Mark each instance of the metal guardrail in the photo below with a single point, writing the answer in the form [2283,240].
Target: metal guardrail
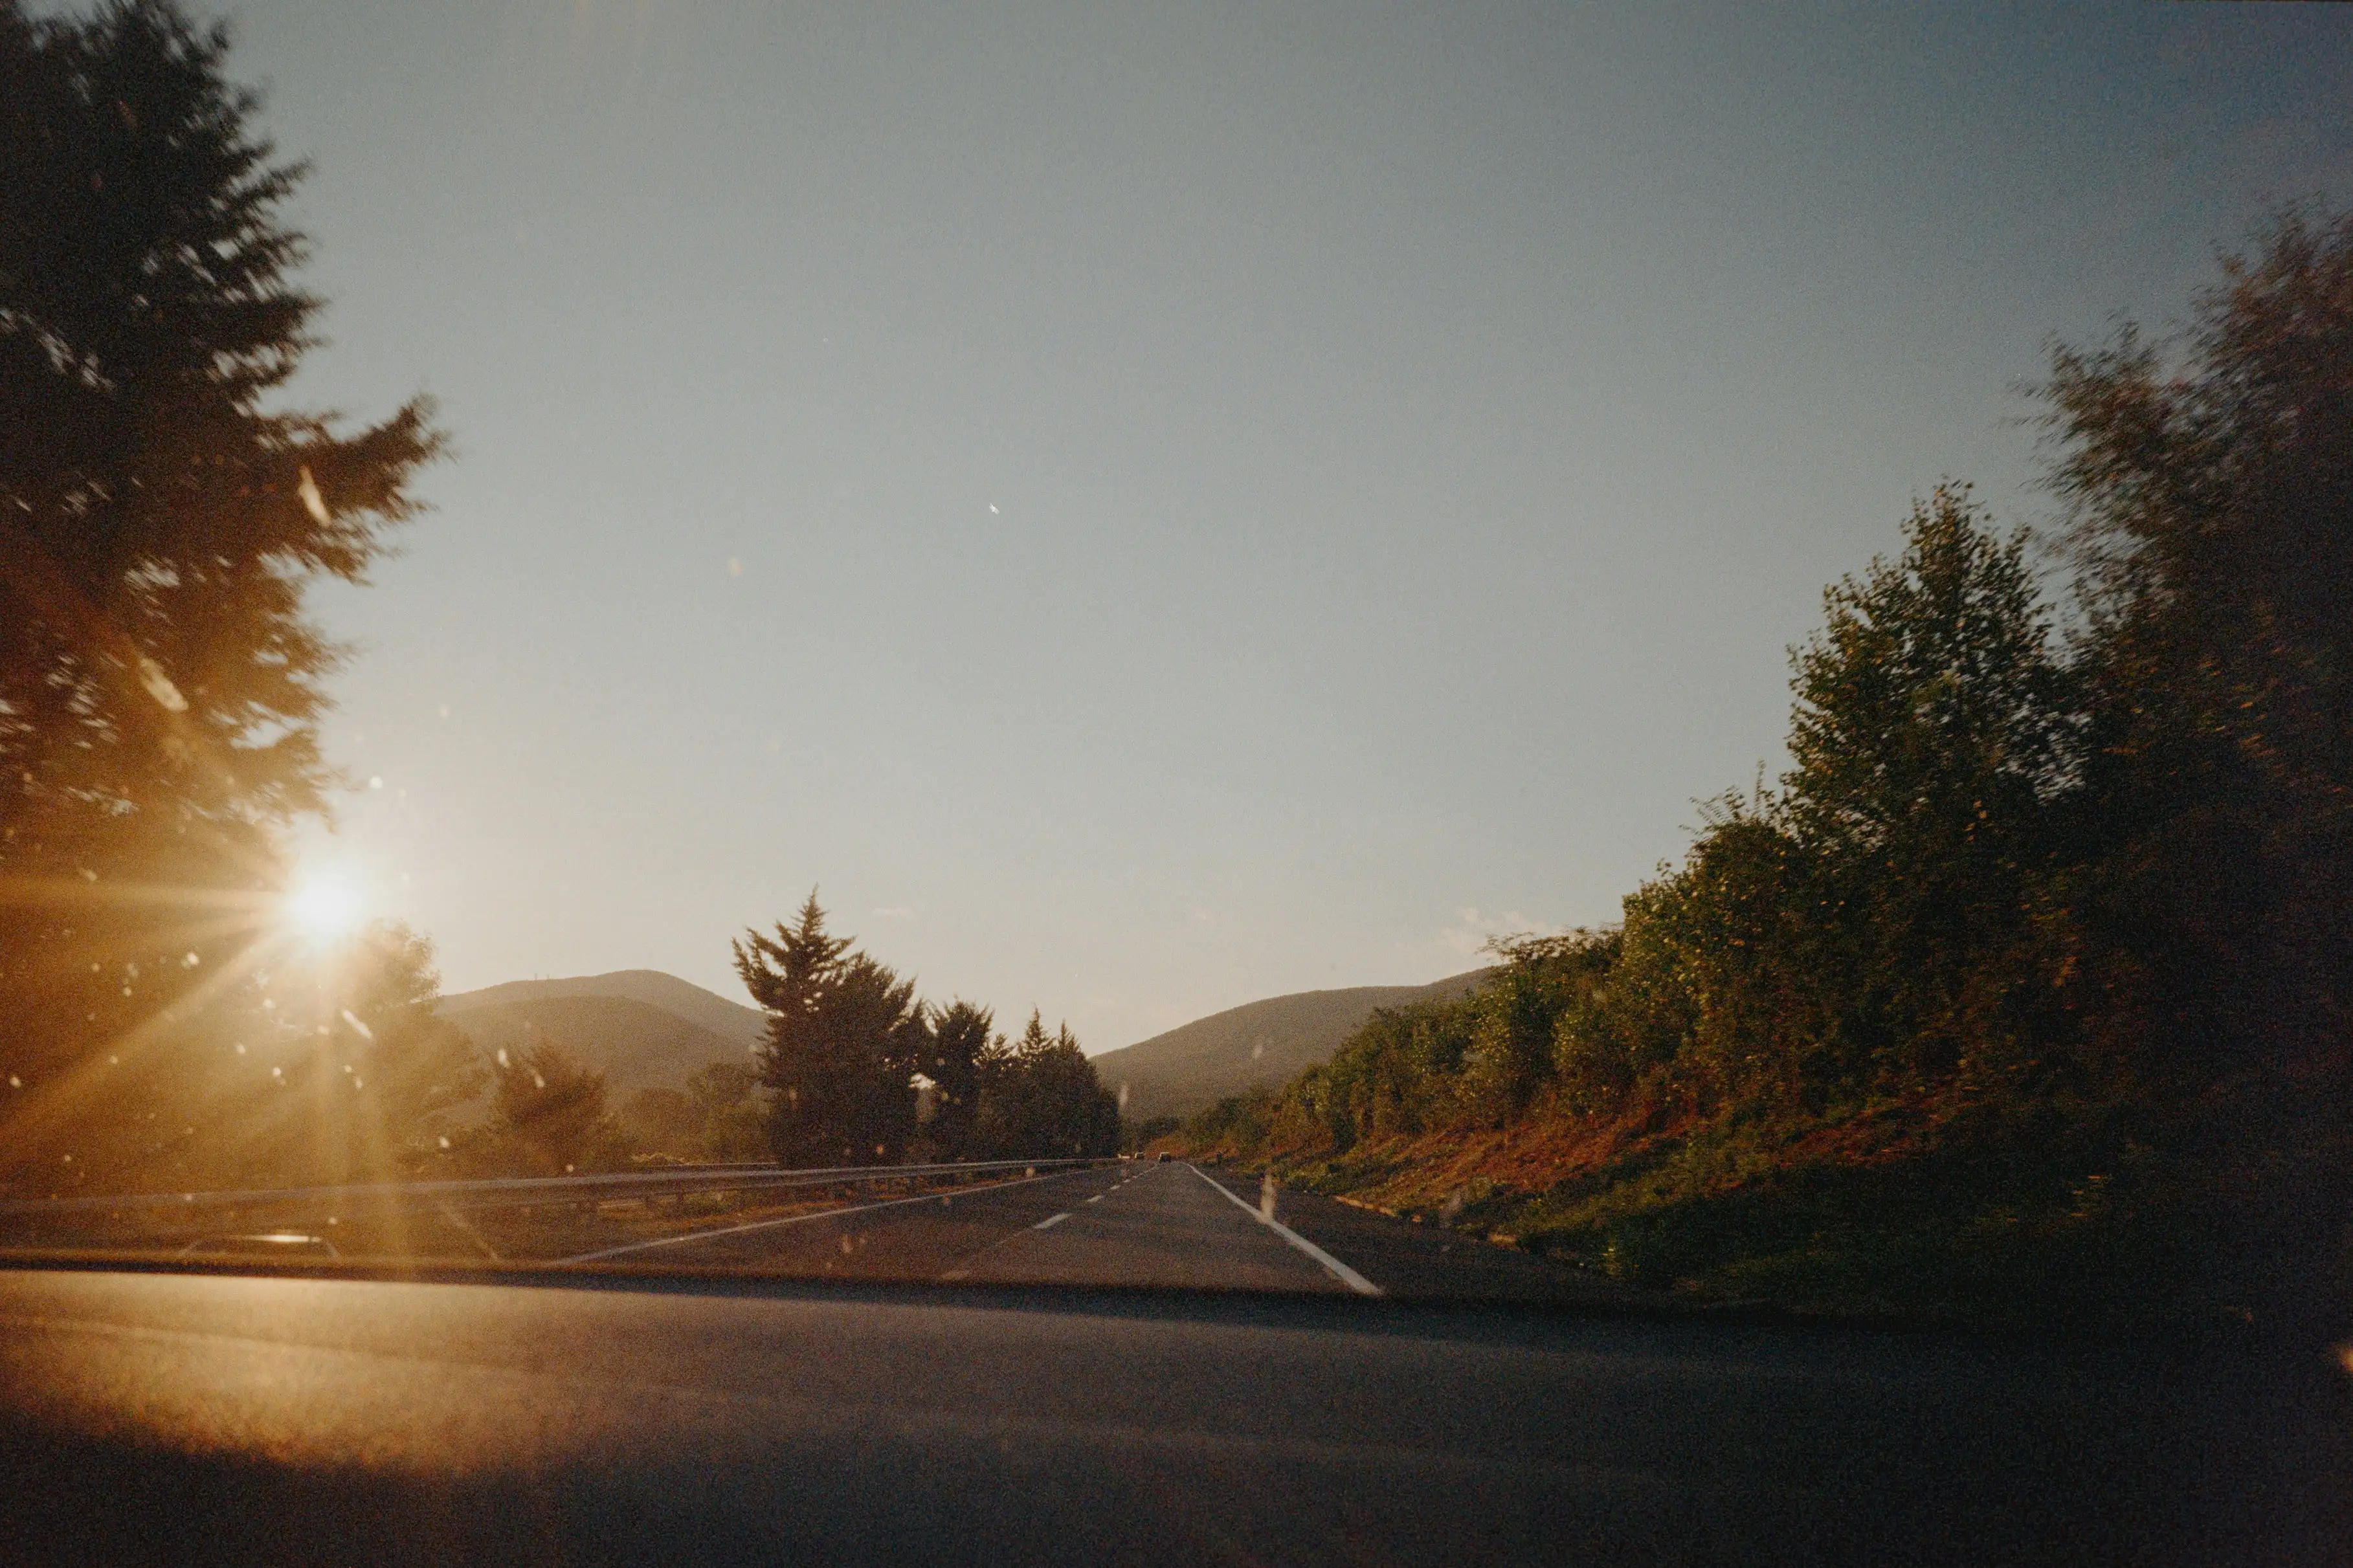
[522,1191]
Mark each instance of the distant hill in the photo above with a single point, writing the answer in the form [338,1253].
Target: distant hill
[1270,1042]
[728,1020]
[645,1029]
[639,1027]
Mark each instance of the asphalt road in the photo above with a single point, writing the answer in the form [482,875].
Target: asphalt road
[176,1417]
[1320,1385]
[1145,1225]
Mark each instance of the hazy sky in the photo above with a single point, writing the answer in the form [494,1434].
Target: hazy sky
[1155,506]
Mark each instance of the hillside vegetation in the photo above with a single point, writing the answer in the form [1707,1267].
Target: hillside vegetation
[1258,1045]
[2026,991]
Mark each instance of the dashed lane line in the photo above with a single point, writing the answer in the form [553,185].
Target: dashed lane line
[963,1270]
[804,1218]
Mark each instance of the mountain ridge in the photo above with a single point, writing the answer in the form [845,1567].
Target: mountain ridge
[1266,1042]
[644,1028]
[730,1021]
[641,1028]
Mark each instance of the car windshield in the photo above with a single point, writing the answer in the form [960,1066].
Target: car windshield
[1643,659]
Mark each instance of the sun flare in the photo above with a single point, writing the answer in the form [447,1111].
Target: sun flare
[326,906]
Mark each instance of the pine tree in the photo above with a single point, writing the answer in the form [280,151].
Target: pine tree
[958,1054]
[788,974]
[845,1040]
[871,1026]
[1043,1100]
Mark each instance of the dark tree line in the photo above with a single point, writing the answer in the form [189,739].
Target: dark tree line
[859,1071]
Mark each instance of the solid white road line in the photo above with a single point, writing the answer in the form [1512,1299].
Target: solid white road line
[1050,1222]
[804,1218]
[1338,1270]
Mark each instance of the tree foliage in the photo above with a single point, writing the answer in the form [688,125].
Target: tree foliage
[548,1112]
[962,1054]
[1864,929]
[849,1042]
[159,517]
[717,1117]
[2211,480]
[845,1038]
[1935,729]
[416,1076]
[726,1108]
[1043,1099]
[2097,881]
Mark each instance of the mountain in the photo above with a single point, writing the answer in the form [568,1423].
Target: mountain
[645,1029]
[1270,1042]
[728,1020]
[639,1027]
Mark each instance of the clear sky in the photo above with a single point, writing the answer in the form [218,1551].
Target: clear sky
[1155,506]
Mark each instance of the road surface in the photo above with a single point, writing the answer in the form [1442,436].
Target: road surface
[174,1417]
[1331,1387]
[1168,1226]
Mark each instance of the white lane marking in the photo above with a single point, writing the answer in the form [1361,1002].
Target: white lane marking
[1096,1199]
[963,1270]
[1338,1270]
[1050,1222]
[804,1218]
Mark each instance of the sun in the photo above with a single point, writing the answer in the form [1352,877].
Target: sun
[325,906]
